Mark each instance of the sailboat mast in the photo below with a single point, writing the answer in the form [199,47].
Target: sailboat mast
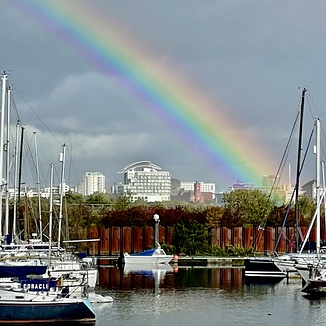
[318,199]
[298,172]
[3,106]
[38,189]
[7,166]
[20,165]
[323,174]
[51,212]
[14,224]
[62,160]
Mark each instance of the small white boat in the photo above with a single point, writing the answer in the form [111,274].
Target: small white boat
[154,256]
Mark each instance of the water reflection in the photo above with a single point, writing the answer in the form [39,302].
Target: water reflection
[195,295]
[156,273]
[170,277]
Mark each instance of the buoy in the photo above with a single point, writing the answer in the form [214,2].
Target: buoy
[175,257]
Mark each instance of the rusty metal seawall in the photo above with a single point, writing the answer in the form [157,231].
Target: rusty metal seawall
[116,240]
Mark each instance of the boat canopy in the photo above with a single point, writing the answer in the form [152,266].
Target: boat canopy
[149,252]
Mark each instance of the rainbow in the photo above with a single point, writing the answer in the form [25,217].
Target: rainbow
[201,123]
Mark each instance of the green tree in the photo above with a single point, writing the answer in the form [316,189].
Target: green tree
[122,203]
[245,208]
[74,198]
[191,238]
[307,208]
[96,199]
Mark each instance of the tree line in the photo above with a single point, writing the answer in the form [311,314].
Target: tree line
[191,221]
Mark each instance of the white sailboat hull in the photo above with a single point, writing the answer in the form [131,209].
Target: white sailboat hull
[154,256]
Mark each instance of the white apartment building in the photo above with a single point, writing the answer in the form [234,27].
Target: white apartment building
[145,180]
[92,182]
[44,192]
[56,190]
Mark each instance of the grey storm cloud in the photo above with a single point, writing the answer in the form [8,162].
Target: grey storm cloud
[250,55]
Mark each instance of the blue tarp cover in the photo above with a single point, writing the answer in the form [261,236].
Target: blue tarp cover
[144,253]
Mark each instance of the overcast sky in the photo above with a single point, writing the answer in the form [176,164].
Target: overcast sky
[250,58]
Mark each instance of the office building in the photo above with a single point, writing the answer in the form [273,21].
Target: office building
[204,187]
[193,191]
[144,180]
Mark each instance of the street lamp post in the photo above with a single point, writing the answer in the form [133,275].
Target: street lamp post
[157,221]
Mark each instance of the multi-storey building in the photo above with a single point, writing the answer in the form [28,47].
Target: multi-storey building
[270,180]
[144,180]
[241,186]
[92,182]
[204,187]
[197,192]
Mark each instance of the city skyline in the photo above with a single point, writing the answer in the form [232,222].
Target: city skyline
[109,183]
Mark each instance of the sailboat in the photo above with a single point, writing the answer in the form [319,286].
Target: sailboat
[281,266]
[313,277]
[62,261]
[33,299]
[313,273]
[38,300]
[154,256]
[22,267]
[34,256]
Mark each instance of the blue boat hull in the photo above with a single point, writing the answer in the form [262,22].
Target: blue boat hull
[27,312]
[16,271]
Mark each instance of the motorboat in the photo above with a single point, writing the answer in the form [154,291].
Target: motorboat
[155,256]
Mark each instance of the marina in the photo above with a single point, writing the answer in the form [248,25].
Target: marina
[203,295]
[167,203]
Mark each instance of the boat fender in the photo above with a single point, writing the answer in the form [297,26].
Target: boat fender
[59,281]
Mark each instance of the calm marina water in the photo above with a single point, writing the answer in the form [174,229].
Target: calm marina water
[202,296]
